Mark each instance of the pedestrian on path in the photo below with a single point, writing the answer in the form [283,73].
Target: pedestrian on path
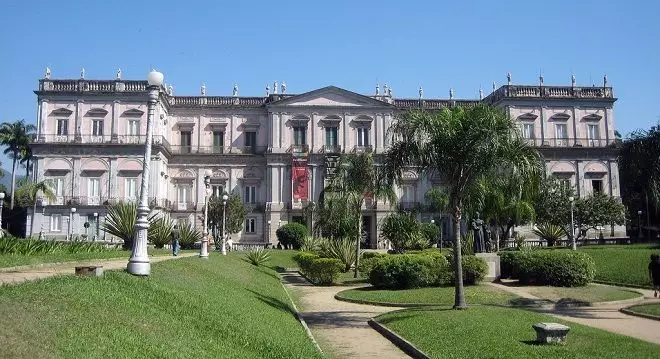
[654,273]
[175,241]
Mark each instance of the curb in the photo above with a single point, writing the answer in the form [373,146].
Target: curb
[624,285]
[406,346]
[299,317]
[637,314]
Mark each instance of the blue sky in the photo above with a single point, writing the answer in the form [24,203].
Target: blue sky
[350,44]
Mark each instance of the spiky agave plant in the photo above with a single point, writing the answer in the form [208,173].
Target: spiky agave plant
[258,256]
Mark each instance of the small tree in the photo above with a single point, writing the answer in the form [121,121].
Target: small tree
[599,210]
[234,221]
[292,235]
[402,230]
[553,206]
[27,194]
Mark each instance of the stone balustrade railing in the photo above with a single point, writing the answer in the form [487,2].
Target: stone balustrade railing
[558,92]
[96,86]
[216,101]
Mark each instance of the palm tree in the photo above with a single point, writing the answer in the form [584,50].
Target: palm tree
[16,136]
[462,145]
[31,191]
[26,159]
[357,177]
[120,222]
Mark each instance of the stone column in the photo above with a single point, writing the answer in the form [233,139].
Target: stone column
[113,123]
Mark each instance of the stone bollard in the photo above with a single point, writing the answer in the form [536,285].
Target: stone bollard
[551,333]
[90,271]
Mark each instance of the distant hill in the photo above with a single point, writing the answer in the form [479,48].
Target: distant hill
[5,180]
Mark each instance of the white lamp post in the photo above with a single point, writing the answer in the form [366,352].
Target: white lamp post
[139,263]
[204,248]
[639,223]
[96,230]
[268,235]
[573,244]
[224,220]
[73,210]
[2,203]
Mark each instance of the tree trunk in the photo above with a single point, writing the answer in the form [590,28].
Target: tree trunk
[459,294]
[27,169]
[357,245]
[34,212]
[13,182]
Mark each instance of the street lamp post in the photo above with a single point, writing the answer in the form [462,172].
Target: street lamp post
[224,220]
[573,244]
[639,224]
[2,203]
[73,210]
[139,263]
[204,248]
[268,235]
[96,221]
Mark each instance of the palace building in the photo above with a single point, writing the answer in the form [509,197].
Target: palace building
[273,150]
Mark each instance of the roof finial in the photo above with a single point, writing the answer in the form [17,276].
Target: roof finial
[275,88]
[235,91]
[508,78]
[82,73]
[540,78]
[573,80]
[389,92]
[377,89]
[451,93]
[283,87]
[202,90]
[170,90]
[385,90]
[47,76]
[118,74]
[481,94]
[267,90]
[605,80]
[421,93]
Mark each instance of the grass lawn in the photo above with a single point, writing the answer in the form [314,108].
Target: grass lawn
[477,294]
[653,309]
[12,260]
[589,294]
[188,308]
[497,332]
[624,264]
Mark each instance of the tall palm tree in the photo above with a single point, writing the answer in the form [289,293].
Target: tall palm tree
[358,177]
[463,145]
[16,136]
[26,159]
[29,193]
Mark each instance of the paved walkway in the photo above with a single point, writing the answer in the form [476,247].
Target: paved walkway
[340,328]
[25,273]
[606,316]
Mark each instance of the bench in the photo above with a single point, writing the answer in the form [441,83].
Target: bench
[551,333]
[90,270]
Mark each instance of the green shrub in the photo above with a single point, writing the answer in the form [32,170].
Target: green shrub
[403,271]
[368,261]
[467,244]
[474,269]
[188,236]
[320,271]
[401,229]
[292,235]
[430,232]
[304,259]
[312,244]
[258,256]
[160,231]
[342,249]
[549,232]
[14,246]
[560,268]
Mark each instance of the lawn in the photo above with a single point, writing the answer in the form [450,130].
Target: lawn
[623,264]
[478,294]
[498,332]
[653,309]
[11,260]
[588,294]
[220,307]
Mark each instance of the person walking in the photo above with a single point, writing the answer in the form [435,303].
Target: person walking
[175,241]
[654,273]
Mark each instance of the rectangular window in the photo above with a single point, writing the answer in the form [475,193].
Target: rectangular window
[217,190]
[561,134]
[57,184]
[97,127]
[62,127]
[250,226]
[55,222]
[183,194]
[528,131]
[299,135]
[250,139]
[218,141]
[130,189]
[362,137]
[565,184]
[593,135]
[133,127]
[408,194]
[93,187]
[597,186]
[331,136]
[250,194]
[186,141]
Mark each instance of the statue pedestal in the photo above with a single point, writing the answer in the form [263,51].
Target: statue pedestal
[493,261]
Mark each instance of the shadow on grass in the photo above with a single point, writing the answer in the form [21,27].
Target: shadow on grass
[410,313]
[531,342]
[273,302]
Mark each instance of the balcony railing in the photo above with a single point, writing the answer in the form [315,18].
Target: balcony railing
[256,207]
[331,149]
[560,92]
[363,149]
[72,138]
[182,206]
[299,148]
[245,150]
[103,86]
[570,142]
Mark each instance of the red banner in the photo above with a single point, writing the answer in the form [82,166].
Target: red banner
[299,180]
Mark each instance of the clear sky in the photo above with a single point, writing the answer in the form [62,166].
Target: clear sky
[350,44]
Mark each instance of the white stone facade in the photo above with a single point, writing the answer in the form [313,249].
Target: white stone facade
[90,144]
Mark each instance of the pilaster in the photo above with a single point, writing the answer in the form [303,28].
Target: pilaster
[113,122]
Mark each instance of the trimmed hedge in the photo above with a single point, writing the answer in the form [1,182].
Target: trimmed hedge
[292,235]
[559,268]
[320,271]
[402,271]
[474,269]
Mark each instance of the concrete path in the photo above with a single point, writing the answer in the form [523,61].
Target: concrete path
[25,273]
[606,316]
[340,328]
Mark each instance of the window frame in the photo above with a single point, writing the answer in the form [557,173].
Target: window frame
[62,130]
[133,128]
[55,218]
[250,138]
[97,127]
[329,131]
[362,137]
[250,194]
[127,188]
[299,135]
[250,225]
[186,190]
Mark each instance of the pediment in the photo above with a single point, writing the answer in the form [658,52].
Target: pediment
[65,112]
[560,117]
[592,117]
[330,96]
[527,117]
[96,112]
[134,112]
